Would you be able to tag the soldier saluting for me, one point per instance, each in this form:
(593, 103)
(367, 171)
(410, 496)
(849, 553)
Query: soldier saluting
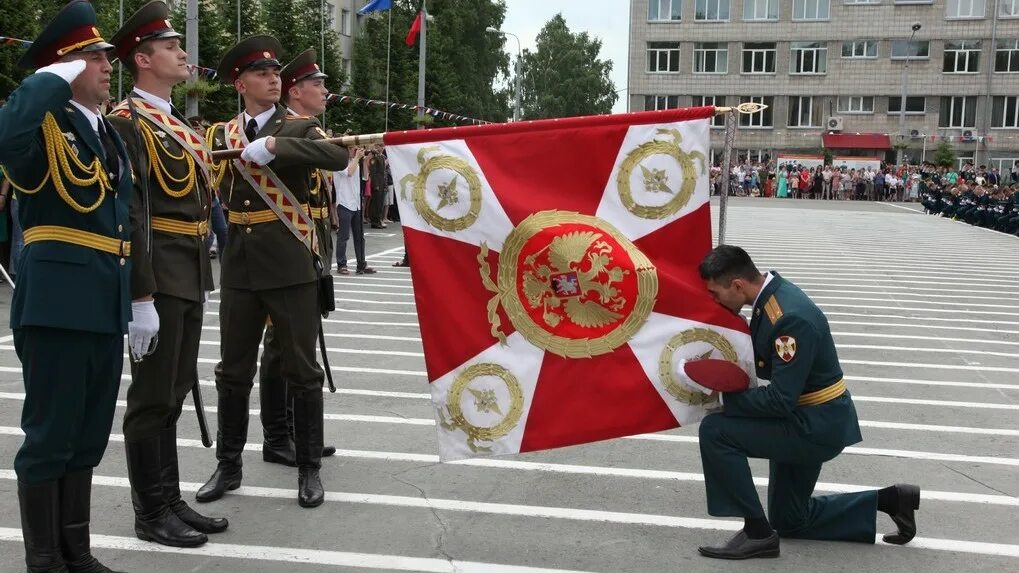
(304, 94)
(72, 305)
(268, 265)
(171, 168)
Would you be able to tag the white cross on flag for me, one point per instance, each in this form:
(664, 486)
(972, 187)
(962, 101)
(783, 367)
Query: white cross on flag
(554, 266)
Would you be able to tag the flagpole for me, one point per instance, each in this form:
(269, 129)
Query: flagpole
(422, 55)
(389, 49)
(731, 124)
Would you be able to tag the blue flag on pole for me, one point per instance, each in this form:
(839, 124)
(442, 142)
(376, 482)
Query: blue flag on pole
(375, 6)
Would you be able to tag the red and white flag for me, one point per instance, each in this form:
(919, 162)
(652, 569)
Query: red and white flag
(555, 276)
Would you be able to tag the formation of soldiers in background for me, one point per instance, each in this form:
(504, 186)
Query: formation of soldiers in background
(973, 199)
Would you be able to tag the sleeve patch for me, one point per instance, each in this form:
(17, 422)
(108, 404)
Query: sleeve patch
(785, 347)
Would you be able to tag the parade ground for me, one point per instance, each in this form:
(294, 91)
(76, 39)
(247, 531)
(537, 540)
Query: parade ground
(925, 315)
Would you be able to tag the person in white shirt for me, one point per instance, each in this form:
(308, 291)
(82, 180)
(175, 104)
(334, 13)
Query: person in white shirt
(348, 210)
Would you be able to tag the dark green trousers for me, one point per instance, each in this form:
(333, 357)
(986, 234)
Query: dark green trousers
(795, 463)
(71, 383)
(277, 412)
(161, 382)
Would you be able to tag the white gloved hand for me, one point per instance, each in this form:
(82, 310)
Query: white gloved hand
(143, 328)
(256, 152)
(66, 71)
(681, 376)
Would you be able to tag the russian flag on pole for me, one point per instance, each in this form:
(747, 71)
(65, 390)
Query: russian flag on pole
(375, 6)
(555, 277)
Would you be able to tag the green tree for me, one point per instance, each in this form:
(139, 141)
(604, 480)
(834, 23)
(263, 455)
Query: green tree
(21, 19)
(463, 63)
(943, 155)
(563, 77)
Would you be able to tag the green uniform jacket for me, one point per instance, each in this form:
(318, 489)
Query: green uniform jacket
(63, 285)
(178, 265)
(267, 256)
(783, 310)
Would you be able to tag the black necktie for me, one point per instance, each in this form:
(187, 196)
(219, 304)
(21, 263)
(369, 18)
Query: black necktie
(251, 129)
(112, 159)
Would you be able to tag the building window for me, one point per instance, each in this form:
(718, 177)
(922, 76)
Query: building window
(759, 58)
(962, 57)
(915, 50)
(657, 102)
(1006, 56)
(914, 1)
(1008, 8)
(958, 111)
(808, 58)
(803, 112)
(811, 9)
(763, 118)
(348, 69)
(711, 10)
(757, 10)
(330, 13)
(663, 57)
(856, 104)
(862, 49)
(664, 10)
(1003, 164)
(859, 2)
(1005, 112)
(915, 105)
(964, 8)
(711, 58)
(718, 120)
(345, 22)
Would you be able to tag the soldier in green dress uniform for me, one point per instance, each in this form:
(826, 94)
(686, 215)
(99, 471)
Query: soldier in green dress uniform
(269, 270)
(804, 418)
(173, 270)
(305, 95)
(72, 305)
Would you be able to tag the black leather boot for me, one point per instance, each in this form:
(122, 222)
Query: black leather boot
(171, 487)
(40, 526)
(308, 438)
(153, 519)
(278, 447)
(230, 440)
(75, 517)
(904, 515)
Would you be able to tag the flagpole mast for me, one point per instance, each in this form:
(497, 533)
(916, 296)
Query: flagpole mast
(389, 49)
(731, 126)
(422, 55)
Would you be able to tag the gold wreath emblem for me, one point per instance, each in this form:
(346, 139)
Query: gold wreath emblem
(656, 180)
(665, 364)
(448, 193)
(485, 401)
(579, 261)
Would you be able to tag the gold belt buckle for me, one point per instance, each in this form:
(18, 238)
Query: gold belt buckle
(245, 219)
(203, 228)
(124, 248)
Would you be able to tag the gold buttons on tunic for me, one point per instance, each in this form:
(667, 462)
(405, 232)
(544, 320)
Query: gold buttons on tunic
(123, 261)
(760, 364)
(120, 228)
(247, 230)
(247, 202)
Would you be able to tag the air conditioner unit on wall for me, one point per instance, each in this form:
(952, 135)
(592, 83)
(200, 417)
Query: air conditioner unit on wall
(834, 124)
(915, 133)
(967, 135)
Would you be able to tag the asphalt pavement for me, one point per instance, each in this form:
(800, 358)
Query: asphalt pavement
(925, 315)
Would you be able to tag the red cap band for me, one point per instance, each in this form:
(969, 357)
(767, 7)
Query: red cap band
(140, 34)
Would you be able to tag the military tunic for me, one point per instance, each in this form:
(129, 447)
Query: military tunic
(73, 302)
(176, 270)
(787, 423)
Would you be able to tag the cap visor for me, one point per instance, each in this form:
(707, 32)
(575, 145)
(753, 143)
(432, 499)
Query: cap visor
(97, 47)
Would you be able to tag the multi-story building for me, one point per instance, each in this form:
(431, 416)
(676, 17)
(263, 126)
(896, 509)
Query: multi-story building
(347, 24)
(832, 73)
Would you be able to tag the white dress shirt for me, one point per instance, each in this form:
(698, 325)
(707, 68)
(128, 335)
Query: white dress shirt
(157, 101)
(260, 119)
(90, 114)
(348, 189)
(767, 279)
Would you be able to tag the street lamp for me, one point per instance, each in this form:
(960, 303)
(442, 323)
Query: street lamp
(902, 103)
(518, 67)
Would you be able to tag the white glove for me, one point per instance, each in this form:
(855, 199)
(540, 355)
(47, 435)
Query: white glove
(66, 71)
(257, 153)
(681, 375)
(142, 329)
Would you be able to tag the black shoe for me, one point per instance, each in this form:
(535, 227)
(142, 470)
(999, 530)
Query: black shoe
(742, 547)
(75, 507)
(171, 488)
(308, 439)
(153, 519)
(283, 455)
(366, 271)
(40, 526)
(905, 516)
(230, 439)
(310, 492)
(328, 451)
(224, 479)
